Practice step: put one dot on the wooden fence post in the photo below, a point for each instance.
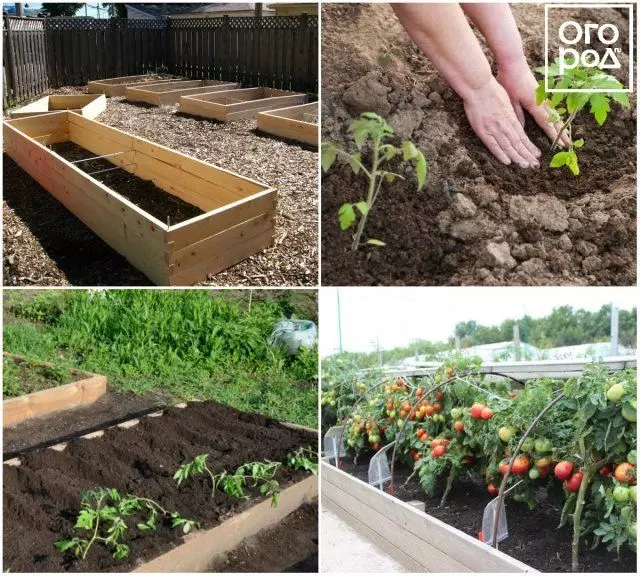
(226, 48)
(168, 59)
(13, 74)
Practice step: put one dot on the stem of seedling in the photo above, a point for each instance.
(450, 479)
(566, 126)
(370, 195)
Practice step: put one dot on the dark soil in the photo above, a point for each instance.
(534, 537)
(50, 426)
(143, 193)
(552, 228)
(21, 377)
(42, 496)
(292, 542)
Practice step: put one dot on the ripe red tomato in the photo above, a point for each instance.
(446, 442)
(416, 457)
(624, 473)
(459, 426)
(438, 451)
(605, 471)
(573, 484)
(492, 489)
(520, 465)
(419, 432)
(512, 394)
(376, 446)
(438, 395)
(437, 407)
(486, 413)
(563, 470)
(544, 472)
(424, 437)
(428, 410)
(504, 466)
(476, 411)
(419, 392)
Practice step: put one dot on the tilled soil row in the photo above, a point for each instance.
(42, 495)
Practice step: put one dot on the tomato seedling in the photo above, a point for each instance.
(303, 459)
(102, 514)
(246, 476)
(565, 106)
(370, 131)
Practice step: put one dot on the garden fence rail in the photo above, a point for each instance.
(43, 53)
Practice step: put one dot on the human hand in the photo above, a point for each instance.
(494, 120)
(520, 84)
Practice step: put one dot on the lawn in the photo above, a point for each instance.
(187, 345)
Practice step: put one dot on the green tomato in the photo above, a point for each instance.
(629, 412)
(633, 493)
(620, 494)
(372, 403)
(632, 530)
(392, 414)
(543, 445)
(519, 497)
(632, 457)
(528, 445)
(615, 393)
(534, 474)
(332, 403)
(506, 432)
(456, 413)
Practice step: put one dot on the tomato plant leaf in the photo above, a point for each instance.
(363, 207)
(346, 216)
(328, 153)
(599, 107)
(375, 242)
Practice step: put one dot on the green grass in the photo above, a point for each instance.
(187, 344)
(19, 378)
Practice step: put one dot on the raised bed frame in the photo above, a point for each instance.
(72, 395)
(199, 550)
(88, 105)
(292, 123)
(420, 542)
(170, 92)
(237, 104)
(117, 86)
(238, 218)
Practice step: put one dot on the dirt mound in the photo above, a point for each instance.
(551, 227)
(42, 496)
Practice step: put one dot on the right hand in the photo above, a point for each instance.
(494, 120)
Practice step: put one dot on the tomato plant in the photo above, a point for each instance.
(582, 451)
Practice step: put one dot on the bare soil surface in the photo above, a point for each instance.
(45, 245)
(290, 546)
(42, 495)
(50, 426)
(476, 222)
(143, 193)
(534, 537)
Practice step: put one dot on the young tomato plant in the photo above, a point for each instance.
(246, 476)
(303, 459)
(102, 514)
(565, 106)
(371, 131)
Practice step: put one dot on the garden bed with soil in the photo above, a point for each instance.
(44, 244)
(89, 105)
(298, 123)
(533, 534)
(118, 86)
(42, 494)
(476, 221)
(295, 549)
(170, 92)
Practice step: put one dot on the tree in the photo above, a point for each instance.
(63, 9)
(115, 9)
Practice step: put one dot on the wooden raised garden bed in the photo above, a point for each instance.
(118, 86)
(236, 104)
(84, 388)
(89, 105)
(296, 123)
(417, 540)
(170, 92)
(42, 489)
(223, 217)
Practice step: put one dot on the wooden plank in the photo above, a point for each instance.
(218, 262)
(290, 123)
(89, 105)
(221, 242)
(158, 96)
(477, 556)
(206, 225)
(117, 86)
(202, 548)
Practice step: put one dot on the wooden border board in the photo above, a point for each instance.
(88, 105)
(117, 86)
(170, 92)
(79, 393)
(238, 213)
(237, 104)
(292, 123)
(420, 542)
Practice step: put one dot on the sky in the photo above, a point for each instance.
(399, 315)
(91, 9)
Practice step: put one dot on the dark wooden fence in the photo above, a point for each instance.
(275, 51)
